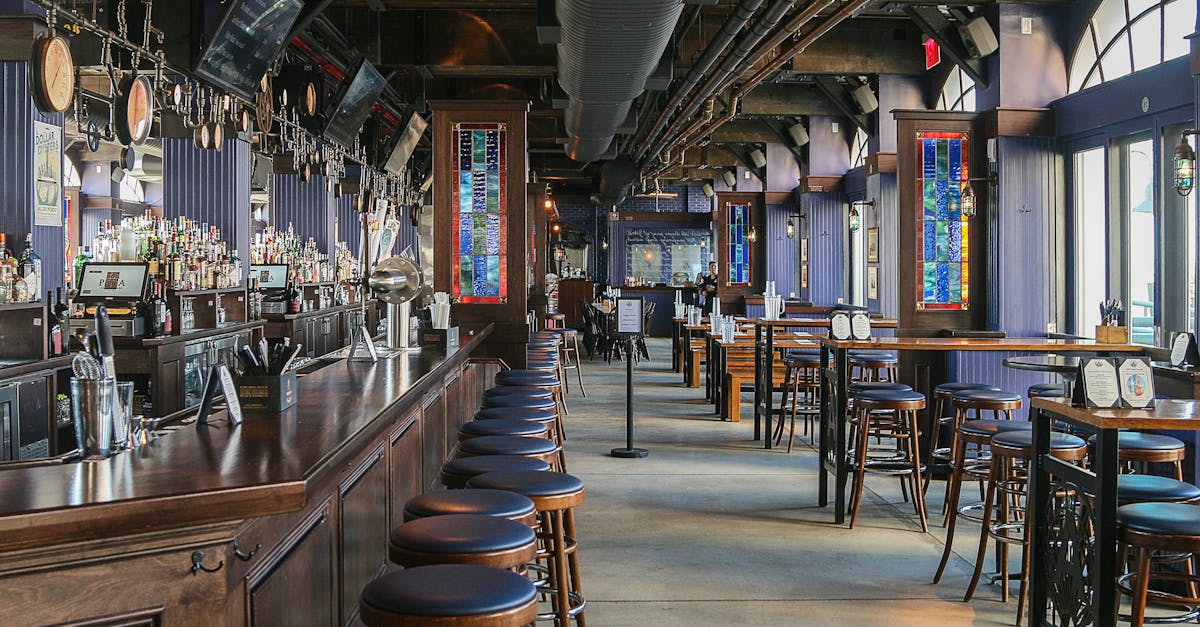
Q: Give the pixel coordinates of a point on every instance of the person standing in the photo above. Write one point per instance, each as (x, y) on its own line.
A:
(706, 287)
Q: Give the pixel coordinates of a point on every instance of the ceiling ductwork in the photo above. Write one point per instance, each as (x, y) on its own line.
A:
(609, 48)
(616, 180)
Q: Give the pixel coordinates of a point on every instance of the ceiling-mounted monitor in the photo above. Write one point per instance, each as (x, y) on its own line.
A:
(409, 138)
(248, 39)
(355, 104)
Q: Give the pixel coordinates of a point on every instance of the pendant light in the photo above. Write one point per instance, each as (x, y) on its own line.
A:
(1184, 165)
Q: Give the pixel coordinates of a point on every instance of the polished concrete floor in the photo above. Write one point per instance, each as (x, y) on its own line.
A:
(711, 529)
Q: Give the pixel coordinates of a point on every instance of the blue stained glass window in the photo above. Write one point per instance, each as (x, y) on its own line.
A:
(942, 270)
(739, 243)
(479, 209)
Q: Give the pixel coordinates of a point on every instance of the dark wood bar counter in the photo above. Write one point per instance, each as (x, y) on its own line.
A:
(280, 520)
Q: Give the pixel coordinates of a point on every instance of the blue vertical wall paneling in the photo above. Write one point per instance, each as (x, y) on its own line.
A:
(308, 207)
(17, 114)
(210, 186)
(882, 189)
(783, 254)
(826, 217)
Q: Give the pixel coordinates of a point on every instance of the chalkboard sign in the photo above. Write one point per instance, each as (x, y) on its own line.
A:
(249, 37)
(358, 99)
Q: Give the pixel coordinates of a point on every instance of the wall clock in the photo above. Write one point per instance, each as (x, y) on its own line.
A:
(135, 110)
(264, 106)
(310, 99)
(53, 74)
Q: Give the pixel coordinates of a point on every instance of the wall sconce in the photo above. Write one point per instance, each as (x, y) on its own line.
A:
(791, 229)
(730, 178)
(855, 220)
(604, 243)
(1185, 164)
(556, 228)
(752, 236)
(966, 197)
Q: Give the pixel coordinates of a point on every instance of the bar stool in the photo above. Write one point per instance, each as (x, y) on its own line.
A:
(556, 321)
(902, 407)
(976, 433)
(516, 391)
(1047, 390)
(1007, 488)
(548, 416)
(1154, 489)
(449, 594)
(456, 472)
(873, 366)
(1134, 447)
(569, 358)
(556, 495)
(496, 503)
(463, 539)
(536, 448)
(802, 380)
(1000, 403)
(504, 426)
(517, 401)
(1150, 528)
(533, 378)
(942, 395)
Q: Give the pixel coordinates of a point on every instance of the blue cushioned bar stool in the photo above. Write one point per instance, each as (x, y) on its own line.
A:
(1134, 447)
(556, 495)
(1047, 390)
(802, 380)
(518, 402)
(873, 366)
(504, 426)
(536, 448)
(1004, 520)
(942, 397)
(528, 393)
(977, 433)
(1152, 529)
(547, 416)
(456, 472)
(449, 594)
(497, 503)
(463, 539)
(1154, 489)
(533, 378)
(974, 403)
(899, 409)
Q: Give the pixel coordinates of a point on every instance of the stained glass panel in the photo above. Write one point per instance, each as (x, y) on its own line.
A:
(739, 243)
(942, 229)
(480, 215)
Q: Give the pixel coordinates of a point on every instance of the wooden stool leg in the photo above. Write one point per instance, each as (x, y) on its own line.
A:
(952, 490)
(981, 555)
(579, 365)
(860, 456)
(915, 455)
(562, 601)
(573, 562)
(1141, 585)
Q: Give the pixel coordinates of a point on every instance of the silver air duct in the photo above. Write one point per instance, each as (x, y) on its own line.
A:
(609, 48)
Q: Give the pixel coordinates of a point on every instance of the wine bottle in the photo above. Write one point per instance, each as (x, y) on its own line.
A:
(31, 267)
(55, 333)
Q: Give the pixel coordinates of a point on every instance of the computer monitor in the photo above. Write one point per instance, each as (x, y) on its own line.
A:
(113, 281)
(270, 276)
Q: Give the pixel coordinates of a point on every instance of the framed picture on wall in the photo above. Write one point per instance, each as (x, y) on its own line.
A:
(873, 245)
(872, 283)
(803, 249)
(804, 276)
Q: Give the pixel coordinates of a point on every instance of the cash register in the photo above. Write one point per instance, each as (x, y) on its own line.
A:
(272, 282)
(119, 286)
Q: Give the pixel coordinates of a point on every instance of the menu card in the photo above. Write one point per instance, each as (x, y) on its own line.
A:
(860, 325)
(839, 326)
(1109, 382)
(1183, 350)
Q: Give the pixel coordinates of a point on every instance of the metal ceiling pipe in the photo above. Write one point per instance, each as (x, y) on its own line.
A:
(694, 132)
(735, 61)
(608, 50)
(733, 25)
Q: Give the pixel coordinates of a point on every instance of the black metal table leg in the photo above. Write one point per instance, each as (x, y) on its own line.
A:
(822, 429)
(769, 384)
(758, 395)
(842, 366)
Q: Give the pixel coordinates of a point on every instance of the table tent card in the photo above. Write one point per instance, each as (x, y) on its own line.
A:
(860, 325)
(1112, 382)
(839, 326)
(1183, 350)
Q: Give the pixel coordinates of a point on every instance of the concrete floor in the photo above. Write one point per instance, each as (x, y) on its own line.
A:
(711, 529)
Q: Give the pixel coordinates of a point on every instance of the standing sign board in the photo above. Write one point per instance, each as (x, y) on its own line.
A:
(629, 315)
(629, 324)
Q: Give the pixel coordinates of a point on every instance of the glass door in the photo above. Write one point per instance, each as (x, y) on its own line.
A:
(1137, 194)
(1091, 238)
(196, 360)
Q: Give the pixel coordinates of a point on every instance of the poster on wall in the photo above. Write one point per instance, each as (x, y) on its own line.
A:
(804, 276)
(872, 283)
(47, 174)
(873, 245)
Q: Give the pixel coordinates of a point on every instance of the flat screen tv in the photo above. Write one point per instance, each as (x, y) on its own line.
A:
(356, 103)
(113, 281)
(251, 34)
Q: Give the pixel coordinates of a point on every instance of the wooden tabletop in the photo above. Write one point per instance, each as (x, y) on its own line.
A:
(879, 323)
(1025, 344)
(203, 474)
(1167, 414)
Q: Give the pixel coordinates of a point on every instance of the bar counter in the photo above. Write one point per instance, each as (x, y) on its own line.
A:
(280, 520)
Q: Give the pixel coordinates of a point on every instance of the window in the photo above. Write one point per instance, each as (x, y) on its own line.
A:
(70, 173)
(942, 229)
(1138, 165)
(858, 151)
(132, 190)
(958, 93)
(1125, 36)
(739, 243)
(479, 209)
(1091, 237)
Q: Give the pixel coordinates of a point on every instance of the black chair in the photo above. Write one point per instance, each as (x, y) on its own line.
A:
(589, 327)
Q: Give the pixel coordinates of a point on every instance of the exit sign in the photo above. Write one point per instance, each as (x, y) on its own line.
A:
(933, 54)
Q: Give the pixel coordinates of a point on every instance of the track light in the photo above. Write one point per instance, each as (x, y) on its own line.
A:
(729, 177)
(758, 158)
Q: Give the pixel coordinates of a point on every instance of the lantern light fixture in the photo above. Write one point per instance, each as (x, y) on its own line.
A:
(1184, 164)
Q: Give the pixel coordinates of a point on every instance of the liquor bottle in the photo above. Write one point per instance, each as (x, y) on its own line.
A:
(293, 298)
(162, 311)
(55, 332)
(31, 267)
(82, 257)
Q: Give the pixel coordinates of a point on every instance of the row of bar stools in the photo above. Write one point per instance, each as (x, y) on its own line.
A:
(899, 409)
(545, 415)
(525, 403)
(449, 594)
(1004, 519)
(942, 399)
(456, 472)
(968, 403)
(802, 380)
(533, 378)
(555, 495)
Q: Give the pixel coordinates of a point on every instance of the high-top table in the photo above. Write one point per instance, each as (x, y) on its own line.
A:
(1072, 541)
(764, 362)
(835, 378)
(719, 358)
